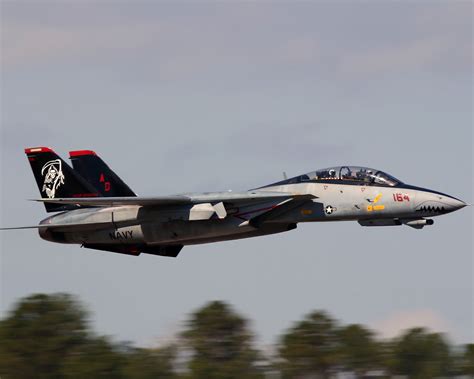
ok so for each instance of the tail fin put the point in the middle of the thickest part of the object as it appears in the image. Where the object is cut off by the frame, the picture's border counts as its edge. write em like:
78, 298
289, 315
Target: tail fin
92, 168
55, 178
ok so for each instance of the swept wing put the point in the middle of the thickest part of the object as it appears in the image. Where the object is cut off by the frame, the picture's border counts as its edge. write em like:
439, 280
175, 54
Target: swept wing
216, 197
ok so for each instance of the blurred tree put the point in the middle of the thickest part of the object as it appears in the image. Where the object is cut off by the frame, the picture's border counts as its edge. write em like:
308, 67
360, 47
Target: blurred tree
359, 351
386, 358
311, 348
38, 334
95, 358
468, 360
150, 363
220, 343
46, 336
420, 354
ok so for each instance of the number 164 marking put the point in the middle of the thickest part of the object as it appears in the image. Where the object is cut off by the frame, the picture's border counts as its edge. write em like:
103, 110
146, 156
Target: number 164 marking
400, 197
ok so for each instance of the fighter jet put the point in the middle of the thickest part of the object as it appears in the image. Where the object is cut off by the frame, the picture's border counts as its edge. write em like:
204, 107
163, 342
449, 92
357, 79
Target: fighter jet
97, 210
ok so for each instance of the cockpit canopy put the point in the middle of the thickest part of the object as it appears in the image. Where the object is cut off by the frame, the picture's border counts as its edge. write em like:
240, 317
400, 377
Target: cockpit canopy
347, 175
356, 174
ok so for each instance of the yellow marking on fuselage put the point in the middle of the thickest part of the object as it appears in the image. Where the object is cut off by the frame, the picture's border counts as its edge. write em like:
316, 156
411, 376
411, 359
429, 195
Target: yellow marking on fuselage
371, 208
306, 212
377, 198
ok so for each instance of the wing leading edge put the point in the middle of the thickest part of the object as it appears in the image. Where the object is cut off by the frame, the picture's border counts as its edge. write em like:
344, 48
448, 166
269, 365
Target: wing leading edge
218, 197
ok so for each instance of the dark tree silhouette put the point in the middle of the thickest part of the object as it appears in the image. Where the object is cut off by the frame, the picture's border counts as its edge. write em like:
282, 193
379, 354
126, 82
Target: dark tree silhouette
421, 354
39, 334
220, 343
311, 347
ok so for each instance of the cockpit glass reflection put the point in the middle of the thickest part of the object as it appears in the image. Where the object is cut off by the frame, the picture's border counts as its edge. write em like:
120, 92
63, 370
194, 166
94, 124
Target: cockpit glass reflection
357, 175
345, 175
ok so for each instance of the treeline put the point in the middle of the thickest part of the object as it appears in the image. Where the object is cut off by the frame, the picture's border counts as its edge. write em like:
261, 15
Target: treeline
48, 336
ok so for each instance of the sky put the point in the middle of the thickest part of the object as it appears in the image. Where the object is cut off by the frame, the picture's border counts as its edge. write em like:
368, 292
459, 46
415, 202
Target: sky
207, 96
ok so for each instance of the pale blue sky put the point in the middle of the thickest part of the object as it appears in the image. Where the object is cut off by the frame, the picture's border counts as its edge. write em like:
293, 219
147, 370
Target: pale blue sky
211, 96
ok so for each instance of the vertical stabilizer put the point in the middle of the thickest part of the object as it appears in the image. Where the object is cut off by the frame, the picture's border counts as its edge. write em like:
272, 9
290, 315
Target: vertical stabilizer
56, 179
92, 168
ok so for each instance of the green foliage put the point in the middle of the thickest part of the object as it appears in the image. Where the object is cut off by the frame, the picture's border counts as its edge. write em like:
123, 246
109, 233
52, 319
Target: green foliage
47, 337
359, 351
95, 358
468, 360
220, 344
150, 363
420, 354
311, 347
39, 334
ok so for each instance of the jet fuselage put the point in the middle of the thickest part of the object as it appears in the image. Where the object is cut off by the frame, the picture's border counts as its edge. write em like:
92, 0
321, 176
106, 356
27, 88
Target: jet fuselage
99, 211
141, 225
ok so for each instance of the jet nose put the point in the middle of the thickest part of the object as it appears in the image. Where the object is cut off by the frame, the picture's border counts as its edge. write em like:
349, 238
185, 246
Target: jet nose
433, 203
453, 203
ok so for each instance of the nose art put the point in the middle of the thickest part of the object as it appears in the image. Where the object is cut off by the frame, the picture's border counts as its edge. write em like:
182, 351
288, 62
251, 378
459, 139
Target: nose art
438, 203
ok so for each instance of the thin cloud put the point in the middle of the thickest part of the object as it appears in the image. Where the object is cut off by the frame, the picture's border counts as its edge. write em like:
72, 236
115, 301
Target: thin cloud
238, 37
398, 322
43, 43
412, 55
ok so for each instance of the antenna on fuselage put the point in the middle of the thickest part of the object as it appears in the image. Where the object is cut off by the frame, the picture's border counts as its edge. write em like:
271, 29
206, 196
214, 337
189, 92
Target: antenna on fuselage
284, 175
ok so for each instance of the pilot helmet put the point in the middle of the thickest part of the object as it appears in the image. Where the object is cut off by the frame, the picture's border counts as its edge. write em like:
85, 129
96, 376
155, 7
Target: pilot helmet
332, 173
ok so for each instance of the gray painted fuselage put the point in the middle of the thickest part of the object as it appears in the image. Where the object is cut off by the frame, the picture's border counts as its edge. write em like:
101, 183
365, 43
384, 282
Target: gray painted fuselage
187, 225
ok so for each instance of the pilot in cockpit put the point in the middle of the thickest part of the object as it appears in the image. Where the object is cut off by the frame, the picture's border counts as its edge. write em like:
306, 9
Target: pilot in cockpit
364, 175
326, 174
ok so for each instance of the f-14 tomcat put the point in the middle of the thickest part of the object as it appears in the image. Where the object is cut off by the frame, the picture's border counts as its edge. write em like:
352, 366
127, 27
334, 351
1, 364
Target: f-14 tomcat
97, 210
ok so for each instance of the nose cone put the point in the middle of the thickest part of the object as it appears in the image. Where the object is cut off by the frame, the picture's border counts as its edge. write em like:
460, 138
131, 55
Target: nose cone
437, 203
456, 204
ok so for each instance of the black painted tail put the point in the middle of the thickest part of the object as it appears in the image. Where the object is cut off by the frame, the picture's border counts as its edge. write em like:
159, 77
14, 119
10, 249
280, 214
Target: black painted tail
56, 179
92, 168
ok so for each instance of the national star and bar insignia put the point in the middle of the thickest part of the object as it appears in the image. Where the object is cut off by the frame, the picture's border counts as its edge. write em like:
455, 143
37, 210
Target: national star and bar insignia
329, 209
